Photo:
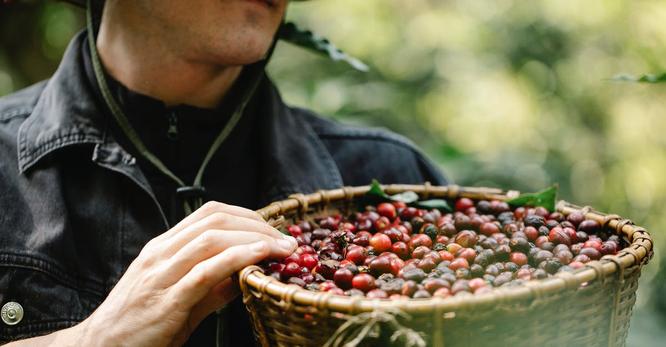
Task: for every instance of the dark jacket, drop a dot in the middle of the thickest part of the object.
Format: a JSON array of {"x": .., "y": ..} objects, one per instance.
[{"x": 75, "y": 208}]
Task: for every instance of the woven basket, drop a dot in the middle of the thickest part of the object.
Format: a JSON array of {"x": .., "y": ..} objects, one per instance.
[{"x": 589, "y": 307}]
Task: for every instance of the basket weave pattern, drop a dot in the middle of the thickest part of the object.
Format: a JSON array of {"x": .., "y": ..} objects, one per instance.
[{"x": 589, "y": 307}]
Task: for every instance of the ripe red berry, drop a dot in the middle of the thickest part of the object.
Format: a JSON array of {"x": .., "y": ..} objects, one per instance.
[
  {"x": 489, "y": 228},
  {"x": 446, "y": 255},
  {"x": 420, "y": 240},
  {"x": 364, "y": 282},
  {"x": 394, "y": 234},
  {"x": 459, "y": 263},
  {"x": 309, "y": 261},
  {"x": 382, "y": 223},
  {"x": 387, "y": 210},
  {"x": 593, "y": 243},
  {"x": 356, "y": 255},
  {"x": 420, "y": 251},
  {"x": 442, "y": 293},
  {"x": 463, "y": 204},
  {"x": 380, "y": 242},
  {"x": 397, "y": 264},
  {"x": 531, "y": 233},
  {"x": 518, "y": 258},
  {"x": 466, "y": 238},
  {"x": 295, "y": 230},
  {"x": 558, "y": 235},
  {"x": 380, "y": 265},
  {"x": 343, "y": 278},
  {"x": 400, "y": 249},
  {"x": 291, "y": 269},
  {"x": 467, "y": 253}
]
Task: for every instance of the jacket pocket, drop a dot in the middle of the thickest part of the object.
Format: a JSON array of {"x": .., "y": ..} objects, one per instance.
[{"x": 50, "y": 298}]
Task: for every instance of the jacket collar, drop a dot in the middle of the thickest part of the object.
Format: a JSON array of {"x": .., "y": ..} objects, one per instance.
[{"x": 68, "y": 113}]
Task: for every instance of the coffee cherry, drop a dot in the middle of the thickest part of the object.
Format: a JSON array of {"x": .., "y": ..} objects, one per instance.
[
  {"x": 364, "y": 282},
  {"x": 518, "y": 258},
  {"x": 433, "y": 284},
  {"x": 558, "y": 235},
  {"x": 291, "y": 269},
  {"x": 463, "y": 204},
  {"x": 459, "y": 263},
  {"x": 466, "y": 238},
  {"x": 589, "y": 226},
  {"x": 608, "y": 247},
  {"x": 581, "y": 258},
  {"x": 356, "y": 255},
  {"x": 460, "y": 286},
  {"x": 442, "y": 293},
  {"x": 448, "y": 229},
  {"x": 343, "y": 278},
  {"x": 414, "y": 274},
  {"x": 519, "y": 245},
  {"x": 551, "y": 265},
  {"x": 476, "y": 270},
  {"x": 310, "y": 261},
  {"x": 380, "y": 242},
  {"x": 394, "y": 234},
  {"x": 420, "y": 251},
  {"x": 295, "y": 230},
  {"x": 380, "y": 265},
  {"x": 534, "y": 221},
  {"x": 387, "y": 210},
  {"x": 591, "y": 253},
  {"x": 420, "y": 240},
  {"x": 400, "y": 249}
]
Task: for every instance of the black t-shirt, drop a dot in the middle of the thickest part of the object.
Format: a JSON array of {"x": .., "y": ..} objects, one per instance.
[{"x": 181, "y": 136}]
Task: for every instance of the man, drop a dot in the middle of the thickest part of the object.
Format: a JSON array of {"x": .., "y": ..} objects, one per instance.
[{"x": 162, "y": 105}]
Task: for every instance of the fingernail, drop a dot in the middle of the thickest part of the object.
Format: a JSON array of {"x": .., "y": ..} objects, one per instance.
[
  {"x": 258, "y": 246},
  {"x": 286, "y": 244},
  {"x": 290, "y": 239}
]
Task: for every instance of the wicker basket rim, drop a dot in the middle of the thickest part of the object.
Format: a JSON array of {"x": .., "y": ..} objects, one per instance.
[{"x": 636, "y": 254}]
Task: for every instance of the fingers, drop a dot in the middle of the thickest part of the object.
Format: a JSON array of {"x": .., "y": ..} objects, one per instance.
[
  {"x": 208, "y": 209},
  {"x": 197, "y": 283},
  {"x": 218, "y": 221},
  {"x": 214, "y": 242}
]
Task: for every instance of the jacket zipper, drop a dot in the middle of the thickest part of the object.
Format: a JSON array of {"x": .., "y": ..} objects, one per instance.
[{"x": 172, "y": 131}]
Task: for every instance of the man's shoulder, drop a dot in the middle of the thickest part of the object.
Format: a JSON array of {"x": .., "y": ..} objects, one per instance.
[
  {"x": 19, "y": 105},
  {"x": 333, "y": 130},
  {"x": 365, "y": 153}
]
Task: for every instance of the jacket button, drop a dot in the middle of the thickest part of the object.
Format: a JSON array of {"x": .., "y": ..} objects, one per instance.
[{"x": 12, "y": 313}]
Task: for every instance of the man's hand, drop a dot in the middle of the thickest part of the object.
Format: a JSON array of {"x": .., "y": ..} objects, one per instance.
[{"x": 179, "y": 278}]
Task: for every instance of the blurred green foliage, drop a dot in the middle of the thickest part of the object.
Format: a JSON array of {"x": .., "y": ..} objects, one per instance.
[{"x": 507, "y": 93}]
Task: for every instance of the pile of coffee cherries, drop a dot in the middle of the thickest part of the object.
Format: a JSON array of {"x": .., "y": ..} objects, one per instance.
[{"x": 392, "y": 251}]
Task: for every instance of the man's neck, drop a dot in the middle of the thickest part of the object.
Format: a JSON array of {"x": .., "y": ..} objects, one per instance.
[{"x": 151, "y": 67}]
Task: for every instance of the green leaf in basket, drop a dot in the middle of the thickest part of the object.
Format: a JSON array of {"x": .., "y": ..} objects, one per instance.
[
  {"x": 406, "y": 197},
  {"x": 410, "y": 198},
  {"x": 545, "y": 198},
  {"x": 376, "y": 190},
  {"x": 438, "y": 204}
]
